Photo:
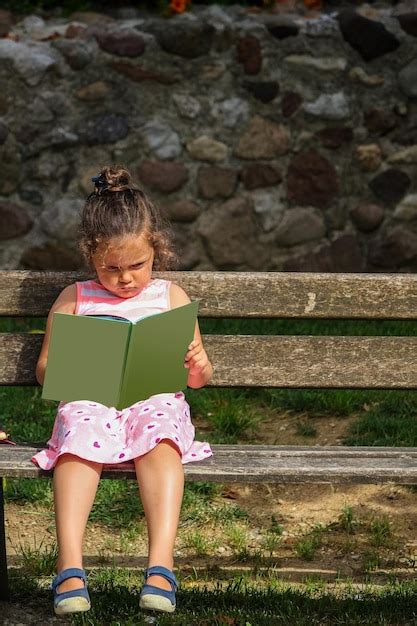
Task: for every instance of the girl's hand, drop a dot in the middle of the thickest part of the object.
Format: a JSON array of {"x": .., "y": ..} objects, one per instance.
[{"x": 196, "y": 358}]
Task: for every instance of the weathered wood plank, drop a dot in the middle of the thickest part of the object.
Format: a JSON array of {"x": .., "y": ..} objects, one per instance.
[
  {"x": 243, "y": 294},
  {"x": 268, "y": 361},
  {"x": 287, "y": 464},
  {"x": 4, "y": 579}
]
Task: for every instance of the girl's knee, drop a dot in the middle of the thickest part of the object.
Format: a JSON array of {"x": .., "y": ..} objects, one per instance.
[{"x": 163, "y": 447}]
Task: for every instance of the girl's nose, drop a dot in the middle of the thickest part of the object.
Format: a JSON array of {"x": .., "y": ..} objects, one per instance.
[{"x": 125, "y": 277}]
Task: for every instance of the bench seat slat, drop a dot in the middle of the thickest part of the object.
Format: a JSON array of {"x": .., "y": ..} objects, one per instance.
[
  {"x": 275, "y": 464},
  {"x": 267, "y": 361},
  {"x": 243, "y": 294}
]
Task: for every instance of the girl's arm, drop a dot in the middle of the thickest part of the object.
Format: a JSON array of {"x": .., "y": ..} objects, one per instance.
[
  {"x": 65, "y": 303},
  {"x": 196, "y": 359}
]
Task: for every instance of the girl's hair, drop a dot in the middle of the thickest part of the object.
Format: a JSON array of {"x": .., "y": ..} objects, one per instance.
[{"x": 117, "y": 208}]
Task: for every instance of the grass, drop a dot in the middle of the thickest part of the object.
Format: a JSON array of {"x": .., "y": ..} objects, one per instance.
[
  {"x": 244, "y": 600},
  {"x": 306, "y": 546},
  {"x": 37, "y": 559},
  {"x": 347, "y": 520},
  {"x": 381, "y": 531}
]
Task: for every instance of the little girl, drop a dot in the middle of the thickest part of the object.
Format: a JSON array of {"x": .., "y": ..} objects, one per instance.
[{"x": 122, "y": 237}]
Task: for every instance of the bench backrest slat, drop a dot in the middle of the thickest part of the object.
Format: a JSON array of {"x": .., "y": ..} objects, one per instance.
[
  {"x": 267, "y": 361},
  {"x": 243, "y": 294}
]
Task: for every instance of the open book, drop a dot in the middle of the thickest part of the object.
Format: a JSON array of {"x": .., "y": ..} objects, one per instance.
[{"x": 116, "y": 362}]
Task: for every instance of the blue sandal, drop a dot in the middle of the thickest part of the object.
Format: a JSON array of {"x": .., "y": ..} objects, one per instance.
[
  {"x": 70, "y": 601},
  {"x": 155, "y": 598}
]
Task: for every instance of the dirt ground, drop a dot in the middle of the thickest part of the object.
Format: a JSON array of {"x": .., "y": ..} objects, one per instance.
[{"x": 297, "y": 508}]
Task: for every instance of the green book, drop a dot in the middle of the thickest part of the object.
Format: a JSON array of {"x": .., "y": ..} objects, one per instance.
[{"x": 116, "y": 362}]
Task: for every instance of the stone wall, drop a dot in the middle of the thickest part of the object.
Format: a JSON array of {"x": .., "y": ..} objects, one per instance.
[{"x": 272, "y": 142}]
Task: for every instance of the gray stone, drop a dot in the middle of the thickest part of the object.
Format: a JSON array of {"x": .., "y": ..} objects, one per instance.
[
  {"x": 263, "y": 140},
  {"x": 32, "y": 23},
  {"x": 187, "y": 106},
  {"x": 185, "y": 38},
  {"x": 329, "y": 106},
  {"x": 367, "y": 217},
  {"x": 121, "y": 41},
  {"x": 162, "y": 139},
  {"x": 407, "y": 209},
  {"x": 58, "y": 137},
  {"x": 215, "y": 14},
  {"x": 323, "y": 26},
  {"x": 398, "y": 246},
  {"x": 14, "y": 220},
  {"x": 231, "y": 112},
  {"x": 32, "y": 61},
  {"x": 56, "y": 101},
  {"x": 40, "y": 111},
  {"x": 46, "y": 169},
  {"x": 407, "y": 155},
  {"x": 207, "y": 149},
  {"x": 269, "y": 206},
  {"x": 358, "y": 75},
  {"x": 11, "y": 166},
  {"x": 300, "y": 224},
  {"x": 230, "y": 233},
  {"x": 102, "y": 129},
  {"x": 31, "y": 196},
  {"x": 216, "y": 182},
  {"x": 78, "y": 54},
  {"x": 407, "y": 79},
  {"x": 60, "y": 220}
]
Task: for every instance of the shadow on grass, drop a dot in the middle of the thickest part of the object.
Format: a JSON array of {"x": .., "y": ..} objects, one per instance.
[{"x": 241, "y": 601}]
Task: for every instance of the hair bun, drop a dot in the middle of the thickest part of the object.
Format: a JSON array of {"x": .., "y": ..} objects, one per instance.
[{"x": 117, "y": 178}]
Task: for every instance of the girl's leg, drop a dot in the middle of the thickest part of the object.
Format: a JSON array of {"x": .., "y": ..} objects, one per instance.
[
  {"x": 75, "y": 485},
  {"x": 160, "y": 477}
]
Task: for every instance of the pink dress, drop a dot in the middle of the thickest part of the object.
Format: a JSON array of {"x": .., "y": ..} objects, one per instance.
[{"x": 103, "y": 434}]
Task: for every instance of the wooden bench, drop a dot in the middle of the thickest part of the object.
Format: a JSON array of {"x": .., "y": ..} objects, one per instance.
[{"x": 255, "y": 361}]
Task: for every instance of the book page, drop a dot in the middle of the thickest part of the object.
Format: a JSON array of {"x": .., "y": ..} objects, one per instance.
[
  {"x": 155, "y": 360},
  {"x": 86, "y": 359}
]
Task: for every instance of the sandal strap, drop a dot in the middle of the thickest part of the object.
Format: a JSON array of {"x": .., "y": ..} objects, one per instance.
[
  {"x": 70, "y": 572},
  {"x": 164, "y": 572}
]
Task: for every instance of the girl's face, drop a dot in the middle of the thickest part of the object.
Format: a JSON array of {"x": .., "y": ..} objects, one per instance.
[{"x": 124, "y": 264}]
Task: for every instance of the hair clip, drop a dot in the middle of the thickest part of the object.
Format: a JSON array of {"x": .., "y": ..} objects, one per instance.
[{"x": 100, "y": 182}]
